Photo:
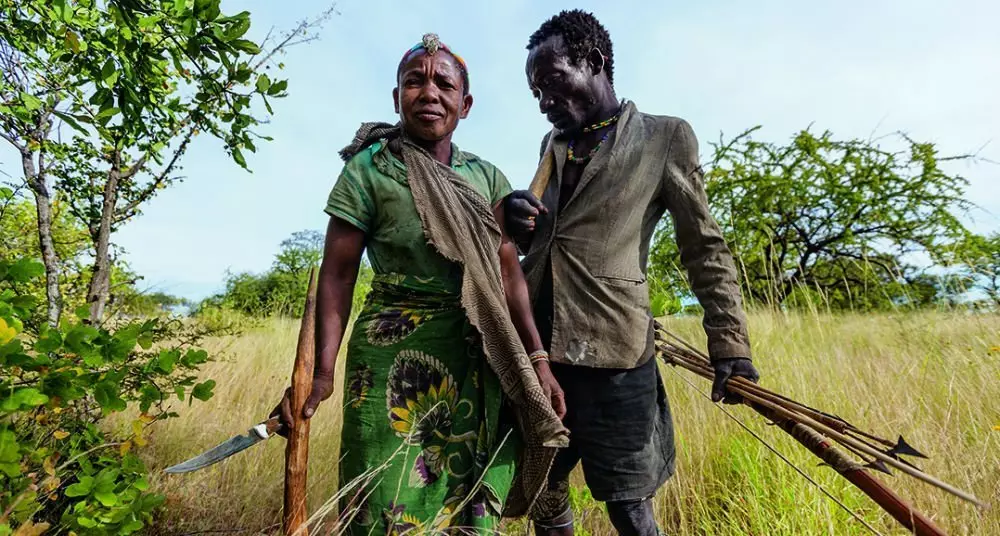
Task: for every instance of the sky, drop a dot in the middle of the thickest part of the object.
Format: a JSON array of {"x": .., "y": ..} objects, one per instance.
[{"x": 856, "y": 68}]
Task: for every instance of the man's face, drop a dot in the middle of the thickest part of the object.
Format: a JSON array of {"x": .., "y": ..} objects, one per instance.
[
  {"x": 565, "y": 91},
  {"x": 429, "y": 96}
]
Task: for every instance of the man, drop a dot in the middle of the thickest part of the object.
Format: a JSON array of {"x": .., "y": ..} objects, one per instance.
[{"x": 614, "y": 172}]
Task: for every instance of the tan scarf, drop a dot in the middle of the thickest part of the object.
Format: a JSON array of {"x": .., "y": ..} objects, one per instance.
[{"x": 459, "y": 223}]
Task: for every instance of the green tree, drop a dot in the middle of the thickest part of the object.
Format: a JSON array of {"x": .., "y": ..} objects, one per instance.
[
  {"x": 281, "y": 291},
  {"x": 822, "y": 215},
  {"x": 978, "y": 257},
  {"x": 19, "y": 238},
  {"x": 300, "y": 252},
  {"x": 135, "y": 81}
]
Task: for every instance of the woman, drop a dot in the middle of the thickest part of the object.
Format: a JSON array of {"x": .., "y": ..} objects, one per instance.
[{"x": 423, "y": 402}]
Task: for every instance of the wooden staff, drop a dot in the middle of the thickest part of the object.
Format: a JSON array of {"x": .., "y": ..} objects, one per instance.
[{"x": 297, "y": 448}]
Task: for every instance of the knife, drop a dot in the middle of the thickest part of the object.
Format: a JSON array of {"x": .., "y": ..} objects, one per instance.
[{"x": 258, "y": 433}]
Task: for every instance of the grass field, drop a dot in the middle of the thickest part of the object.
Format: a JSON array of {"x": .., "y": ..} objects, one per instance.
[{"x": 932, "y": 377}]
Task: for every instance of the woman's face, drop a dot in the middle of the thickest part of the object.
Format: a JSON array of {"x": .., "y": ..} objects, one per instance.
[{"x": 430, "y": 97}]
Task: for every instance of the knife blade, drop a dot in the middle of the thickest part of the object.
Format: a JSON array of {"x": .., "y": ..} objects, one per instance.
[{"x": 258, "y": 433}]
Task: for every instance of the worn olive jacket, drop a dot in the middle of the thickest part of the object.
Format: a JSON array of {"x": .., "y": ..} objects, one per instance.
[{"x": 598, "y": 245}]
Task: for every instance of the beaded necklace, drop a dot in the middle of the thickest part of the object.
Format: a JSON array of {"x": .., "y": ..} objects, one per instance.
[{"x": 570, "y": 156}]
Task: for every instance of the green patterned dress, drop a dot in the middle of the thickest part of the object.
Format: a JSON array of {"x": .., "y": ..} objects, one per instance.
[{"x": 424, "y": 448}]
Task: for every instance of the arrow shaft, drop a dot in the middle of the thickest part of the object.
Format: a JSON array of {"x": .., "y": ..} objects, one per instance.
[{"x": 894, "y": 505}]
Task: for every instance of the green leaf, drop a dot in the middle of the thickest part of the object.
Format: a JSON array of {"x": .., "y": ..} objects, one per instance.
[
  {"x": 49, "y": 341},
  {"x": 24, "y": 270},
  {"x": 107, "y": 498},
  {"x": 179, "y": 6},
  {"x": 78, "y": 339},
  {"x": 108, "y": 113},
  {"x": 10, "y": 469},
  {"x": 206, "y": 10},
  {"x": 166, "y": 360},
  {"x": 238, "y": 28},
  {"x": 246, "y": 46},
  {"x": 141, "y": 484},
  {"x": 108, "y": 70},
  {"x": 73, "y": 42},
  {"x": 82, "y": 312},
  {"x": 150, "y": 502},
  {"x": 71, "y": 121},
  {"x": 203, "y": 391},
  {"x": 239, "y": 158},
  {"x": 106, "y": 394},
  {"x": 31, "y": 397},
  {"x": 194, "y": 358},
  {"x": 263, "y": 83},
  {"x": 277, "y": 87},
  {"x": 145, "y": 340},
  {"x": 81, "y": 488},
  {"x": 146, "y": 23},
  {"x": 131, "y": 525},
  {"x": 31, "y": 102}
]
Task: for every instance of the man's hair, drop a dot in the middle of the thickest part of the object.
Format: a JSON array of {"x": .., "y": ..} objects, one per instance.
[{"x": 582, "y": 32}]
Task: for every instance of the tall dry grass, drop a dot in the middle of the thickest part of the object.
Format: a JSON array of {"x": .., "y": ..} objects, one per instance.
[{"x": 932, "y": 377}]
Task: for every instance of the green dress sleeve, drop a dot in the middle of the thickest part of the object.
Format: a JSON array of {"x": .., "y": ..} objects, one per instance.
[
  {"x": 499, "y": 186},
  {"x": 352, "y": 198}
]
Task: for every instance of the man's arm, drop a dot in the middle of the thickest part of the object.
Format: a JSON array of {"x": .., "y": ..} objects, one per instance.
[
  {"x": 521, "y": 208},
  {"x": 707, "y": 259}
]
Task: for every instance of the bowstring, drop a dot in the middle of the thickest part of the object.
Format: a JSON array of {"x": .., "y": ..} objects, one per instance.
[{"x": 779, "y": 455}]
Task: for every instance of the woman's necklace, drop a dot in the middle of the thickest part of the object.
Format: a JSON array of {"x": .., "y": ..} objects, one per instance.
[{"x": 596, "y": 126}]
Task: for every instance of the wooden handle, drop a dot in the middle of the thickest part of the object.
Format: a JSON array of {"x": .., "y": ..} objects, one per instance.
[
  {"x": 544, "y": 172},
  {"x": 297, "y": 449}
]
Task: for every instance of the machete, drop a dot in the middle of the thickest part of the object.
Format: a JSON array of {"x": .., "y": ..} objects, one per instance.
[{"x": 258, "y": 433}]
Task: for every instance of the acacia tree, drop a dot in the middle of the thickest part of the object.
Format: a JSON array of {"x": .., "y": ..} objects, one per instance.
[
  {"x": 133, "y": 82},
  {"x": 830, "y": 216}
]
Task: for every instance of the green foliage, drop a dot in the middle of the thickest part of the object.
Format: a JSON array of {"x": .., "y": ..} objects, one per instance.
[
  {"x": 663, "y": 300},
  {"x": 824, "y": 220},
  {"x": 281, "y": 291},
  {"x": 133, "y": 75},
  {"x": 58, "y": 464},
  {"x": 978, "y": 258},
  {"x": 105, "y": 96}
]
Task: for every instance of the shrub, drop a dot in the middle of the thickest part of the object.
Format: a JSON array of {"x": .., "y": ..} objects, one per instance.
[{"x": 59, "y": 467}]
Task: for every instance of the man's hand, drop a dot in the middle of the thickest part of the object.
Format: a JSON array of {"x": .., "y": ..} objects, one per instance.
[
  {"x": 322, "y": 388},
  {"x": 727, "y": 368},
  {"x": 551, "y": 388},
  {"x": 521, "y": 208}
]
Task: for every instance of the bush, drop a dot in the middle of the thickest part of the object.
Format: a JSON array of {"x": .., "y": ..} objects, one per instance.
[{"x": 58, "y": 466}]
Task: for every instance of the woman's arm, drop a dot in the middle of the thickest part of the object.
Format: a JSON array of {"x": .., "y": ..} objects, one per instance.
[
  {"x": 516, "y": 293},
  {"x": 334, "y": 294},
  {"x": 516, "y": 290}
]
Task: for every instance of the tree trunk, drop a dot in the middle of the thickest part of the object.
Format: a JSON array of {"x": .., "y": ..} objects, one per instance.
[
  {"x": 43, "y": 204},
  {"x": 100, "y": 279}
]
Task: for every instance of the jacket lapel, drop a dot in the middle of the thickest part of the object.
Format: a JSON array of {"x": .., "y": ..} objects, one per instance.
[{"x": 605, "y": 155}]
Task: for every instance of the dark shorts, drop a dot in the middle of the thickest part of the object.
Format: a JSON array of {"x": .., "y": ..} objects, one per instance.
[{"x": 620, "y": 429}]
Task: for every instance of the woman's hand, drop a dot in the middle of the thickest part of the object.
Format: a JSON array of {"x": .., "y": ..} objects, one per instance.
[
  {"x": 551, "y": 387},
  {"x": 322, "y": 388}
]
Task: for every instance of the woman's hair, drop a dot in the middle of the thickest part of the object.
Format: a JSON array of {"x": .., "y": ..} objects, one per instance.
[{"x": 431, "y": 44}]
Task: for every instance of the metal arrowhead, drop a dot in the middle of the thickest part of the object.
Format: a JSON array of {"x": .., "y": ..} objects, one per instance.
[
  {"x": 224, "y": 450},
  {"x": 904, "y": 448},
  {"x": 878, "y": 465}
]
